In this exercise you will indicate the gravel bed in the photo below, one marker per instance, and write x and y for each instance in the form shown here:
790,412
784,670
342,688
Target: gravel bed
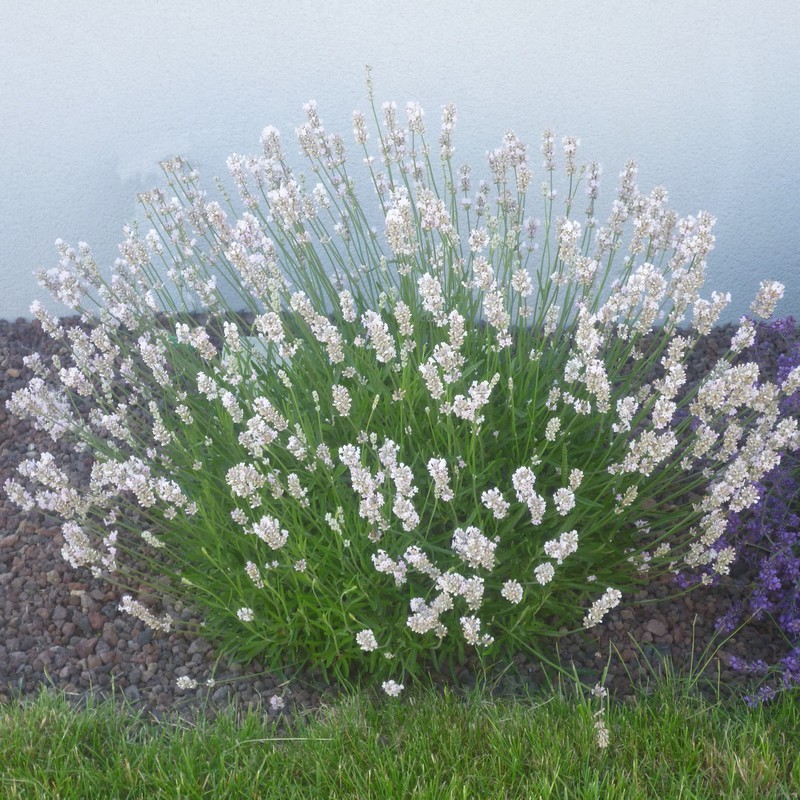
60,627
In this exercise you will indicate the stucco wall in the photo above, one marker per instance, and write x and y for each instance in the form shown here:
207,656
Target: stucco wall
706,95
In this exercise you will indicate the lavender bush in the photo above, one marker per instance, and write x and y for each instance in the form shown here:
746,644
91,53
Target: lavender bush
429,419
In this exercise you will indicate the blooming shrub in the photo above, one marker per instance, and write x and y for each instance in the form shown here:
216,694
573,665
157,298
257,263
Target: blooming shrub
441,418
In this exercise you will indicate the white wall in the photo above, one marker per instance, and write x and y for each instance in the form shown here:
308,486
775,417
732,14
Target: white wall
704,93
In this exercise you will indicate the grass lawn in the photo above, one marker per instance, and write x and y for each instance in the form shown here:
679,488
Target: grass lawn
674,743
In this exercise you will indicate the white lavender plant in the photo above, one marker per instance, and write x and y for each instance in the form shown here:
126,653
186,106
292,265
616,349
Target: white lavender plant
413,419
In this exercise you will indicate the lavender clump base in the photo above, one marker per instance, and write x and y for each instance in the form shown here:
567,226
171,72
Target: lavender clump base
62,628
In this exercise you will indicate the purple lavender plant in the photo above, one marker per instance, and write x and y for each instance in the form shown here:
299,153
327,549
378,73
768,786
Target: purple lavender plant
767,536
